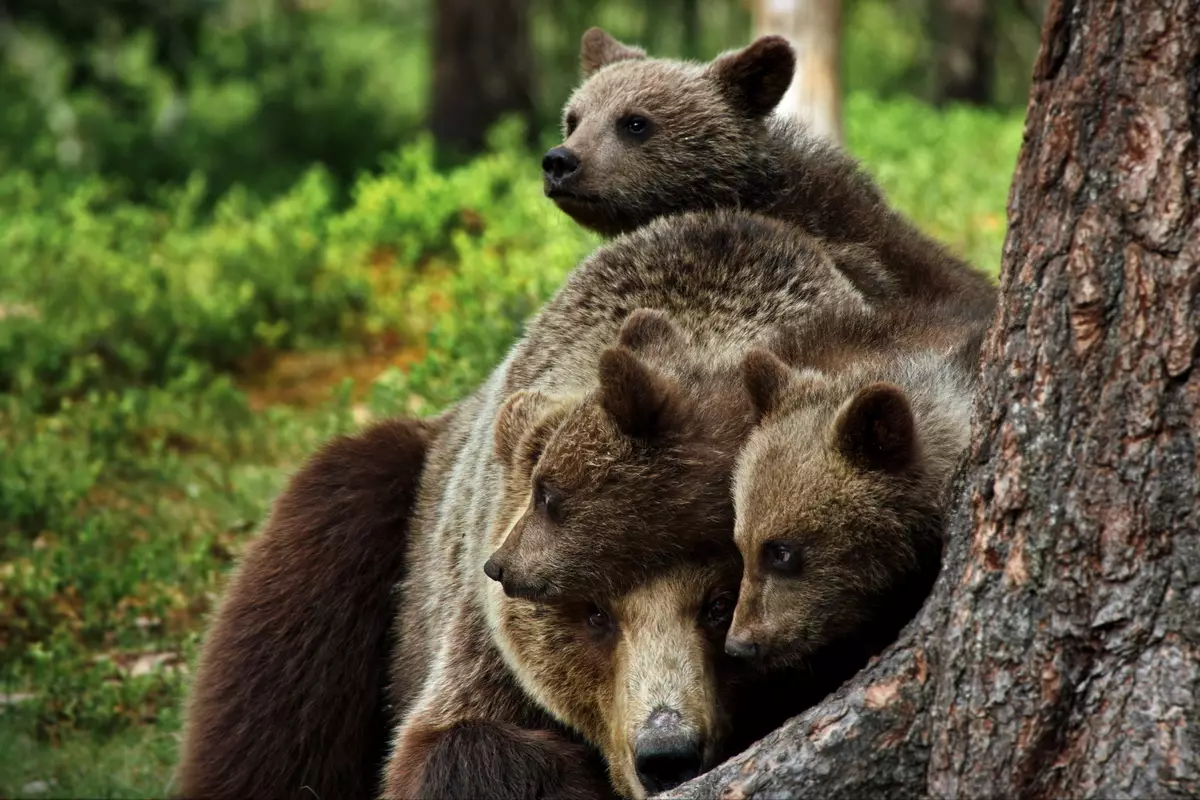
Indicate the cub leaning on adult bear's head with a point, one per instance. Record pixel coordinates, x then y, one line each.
645 137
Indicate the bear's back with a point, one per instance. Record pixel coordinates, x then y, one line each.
727 278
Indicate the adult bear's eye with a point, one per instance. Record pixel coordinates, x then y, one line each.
719 610
572 123
782 557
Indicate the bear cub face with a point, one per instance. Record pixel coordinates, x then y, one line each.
645 137
838 496
609 485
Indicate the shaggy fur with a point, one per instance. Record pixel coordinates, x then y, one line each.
651 449
288 699
589 661
647 137
840 490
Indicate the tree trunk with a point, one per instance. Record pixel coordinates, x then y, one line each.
1059 653
965 32
482 69
814 27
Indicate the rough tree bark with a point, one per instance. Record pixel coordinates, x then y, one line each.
814 27
1059 654
482 68
965 32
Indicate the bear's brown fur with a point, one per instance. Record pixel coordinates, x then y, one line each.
603 662
289 695
840 490
469 653
647 137
652 448
474 672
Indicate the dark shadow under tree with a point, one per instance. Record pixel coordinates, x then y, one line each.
1059 654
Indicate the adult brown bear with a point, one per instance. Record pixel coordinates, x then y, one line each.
471 675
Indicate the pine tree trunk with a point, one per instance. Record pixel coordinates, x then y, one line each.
965 31
482 69
814 27
1059 654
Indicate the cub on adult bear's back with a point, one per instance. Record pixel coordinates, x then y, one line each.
646 137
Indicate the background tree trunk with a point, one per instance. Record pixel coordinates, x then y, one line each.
1059 654
965 33
482 69
814 27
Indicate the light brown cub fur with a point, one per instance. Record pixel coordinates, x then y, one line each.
840 490
651 449
646 137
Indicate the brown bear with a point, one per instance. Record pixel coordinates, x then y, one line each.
841 488
647 137
493 694
636 664
599 472
633 439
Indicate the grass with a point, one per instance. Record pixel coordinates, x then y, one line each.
205 357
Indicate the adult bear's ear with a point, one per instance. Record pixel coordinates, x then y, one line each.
517 419
637 399
755 78
647 328
598 49
875 429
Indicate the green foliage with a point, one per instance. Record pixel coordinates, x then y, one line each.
144 421
267 92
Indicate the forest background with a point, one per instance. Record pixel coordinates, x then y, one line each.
230 229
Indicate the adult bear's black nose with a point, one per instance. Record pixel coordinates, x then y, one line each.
559 165
666 753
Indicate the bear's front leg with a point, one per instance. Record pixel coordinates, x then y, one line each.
476 759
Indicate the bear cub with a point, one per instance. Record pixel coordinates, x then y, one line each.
652 447
840 490
649 137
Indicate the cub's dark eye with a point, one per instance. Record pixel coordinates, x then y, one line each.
547 500
572 122
635 125
781 557
598 619
719 610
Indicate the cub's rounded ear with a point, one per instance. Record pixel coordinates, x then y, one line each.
516 418
648 327
598 49
765 378
636 398
755 78
875 429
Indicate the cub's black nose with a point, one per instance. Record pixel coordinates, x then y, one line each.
559 164
494 569
666 753
741 649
